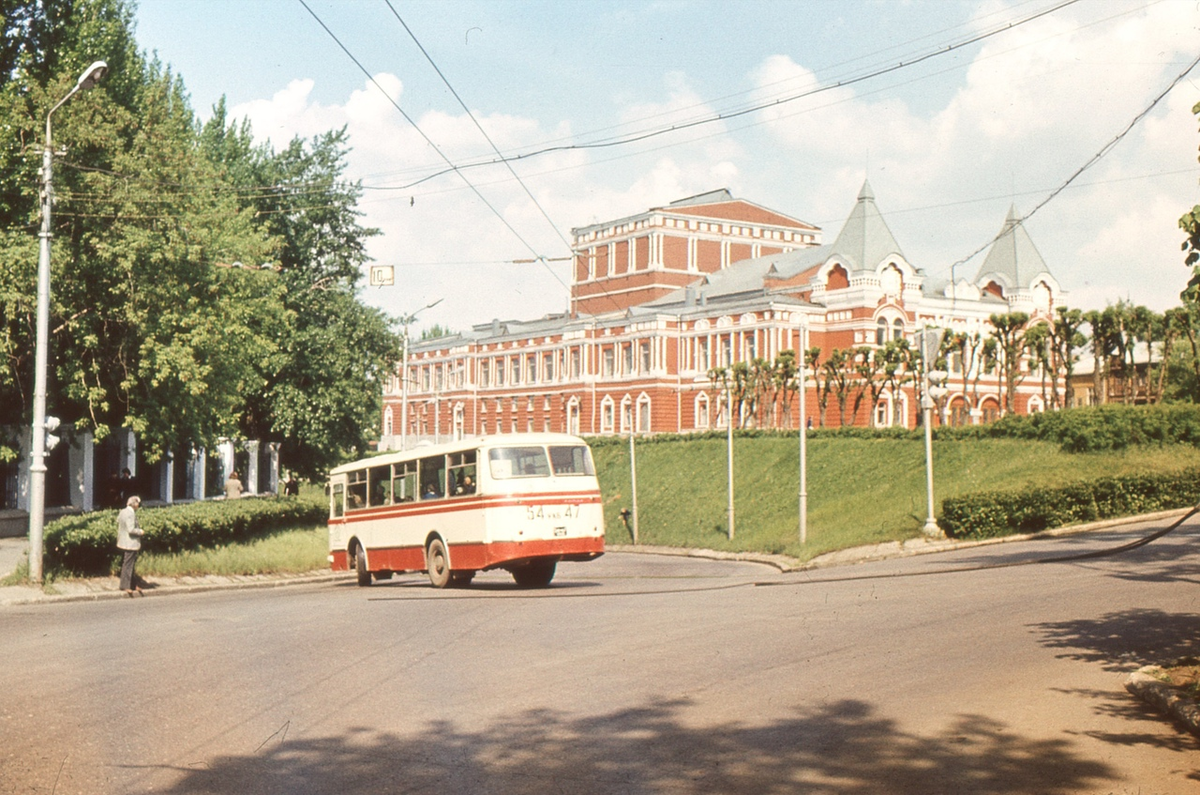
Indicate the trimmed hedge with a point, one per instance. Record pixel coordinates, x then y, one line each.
86 544
1094 428
998 513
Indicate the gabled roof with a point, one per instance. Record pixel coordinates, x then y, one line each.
1013 255
865 240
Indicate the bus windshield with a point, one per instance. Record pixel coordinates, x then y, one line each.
532 462
575 459
518 462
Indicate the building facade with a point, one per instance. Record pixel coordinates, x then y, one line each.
663 301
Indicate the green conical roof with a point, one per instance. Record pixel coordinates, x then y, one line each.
865 239
1013 255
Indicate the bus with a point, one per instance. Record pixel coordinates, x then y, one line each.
520 502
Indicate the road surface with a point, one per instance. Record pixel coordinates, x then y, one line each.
949 673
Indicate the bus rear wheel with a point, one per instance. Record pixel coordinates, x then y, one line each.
437 563
360 565
535 574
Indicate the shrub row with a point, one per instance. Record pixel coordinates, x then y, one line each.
1095 428
997 513
86 544
1088 429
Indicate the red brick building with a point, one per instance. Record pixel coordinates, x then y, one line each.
662 298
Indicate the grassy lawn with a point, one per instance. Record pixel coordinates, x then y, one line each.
860 491
290 551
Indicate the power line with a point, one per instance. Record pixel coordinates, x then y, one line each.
724 116
1104 150
487 138
415 126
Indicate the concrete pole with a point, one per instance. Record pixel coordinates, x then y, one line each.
633 487
729 451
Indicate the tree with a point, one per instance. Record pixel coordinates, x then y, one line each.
320 397
839 377
1065 339
1008 330
787 384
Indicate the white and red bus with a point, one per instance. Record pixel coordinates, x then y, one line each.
520 502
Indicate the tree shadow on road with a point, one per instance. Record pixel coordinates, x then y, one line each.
1126 639
842 747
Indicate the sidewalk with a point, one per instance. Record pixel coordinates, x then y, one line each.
14 550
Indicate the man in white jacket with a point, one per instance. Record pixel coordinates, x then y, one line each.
129 540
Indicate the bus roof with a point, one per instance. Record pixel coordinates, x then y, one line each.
468 443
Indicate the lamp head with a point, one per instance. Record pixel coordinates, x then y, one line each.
92 75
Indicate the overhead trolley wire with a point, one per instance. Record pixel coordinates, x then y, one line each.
491 143
710 119
1093 160
452 167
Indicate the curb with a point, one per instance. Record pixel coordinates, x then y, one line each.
1164 698
35 597
782 563
891 549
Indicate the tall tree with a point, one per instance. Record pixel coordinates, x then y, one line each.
1008 330
320 397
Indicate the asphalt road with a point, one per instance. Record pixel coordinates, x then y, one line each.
632 674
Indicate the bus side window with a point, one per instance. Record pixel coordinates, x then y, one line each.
356 489
337 502
404 482
379 480
463 479
433 477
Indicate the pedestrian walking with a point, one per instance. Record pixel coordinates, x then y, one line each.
129 540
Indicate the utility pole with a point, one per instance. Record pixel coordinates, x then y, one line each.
406 320
37 454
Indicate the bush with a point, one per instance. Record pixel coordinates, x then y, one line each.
1093 429
86 544
998 513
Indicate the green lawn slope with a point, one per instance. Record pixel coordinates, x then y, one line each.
860 490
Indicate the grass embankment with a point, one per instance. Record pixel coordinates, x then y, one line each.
860 490
289 551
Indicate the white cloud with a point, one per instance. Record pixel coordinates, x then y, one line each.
1031 106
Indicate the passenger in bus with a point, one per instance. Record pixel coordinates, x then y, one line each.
465 486
430 493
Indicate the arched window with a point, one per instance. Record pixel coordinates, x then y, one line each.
458 422
881 331
387 421
573 416
606 415
626 414
897 329
643 413
701 412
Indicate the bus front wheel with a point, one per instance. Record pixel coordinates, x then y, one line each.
437 563
535 574
360 565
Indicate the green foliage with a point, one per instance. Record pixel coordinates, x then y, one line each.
86 544
154 327
997 513
864 487
1093 429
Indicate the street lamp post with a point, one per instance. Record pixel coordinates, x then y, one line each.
404 375
934 388
37 454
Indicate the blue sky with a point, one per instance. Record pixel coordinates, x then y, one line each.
948 144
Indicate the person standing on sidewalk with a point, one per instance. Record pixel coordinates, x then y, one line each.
129 540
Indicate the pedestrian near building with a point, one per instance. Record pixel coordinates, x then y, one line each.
129 540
